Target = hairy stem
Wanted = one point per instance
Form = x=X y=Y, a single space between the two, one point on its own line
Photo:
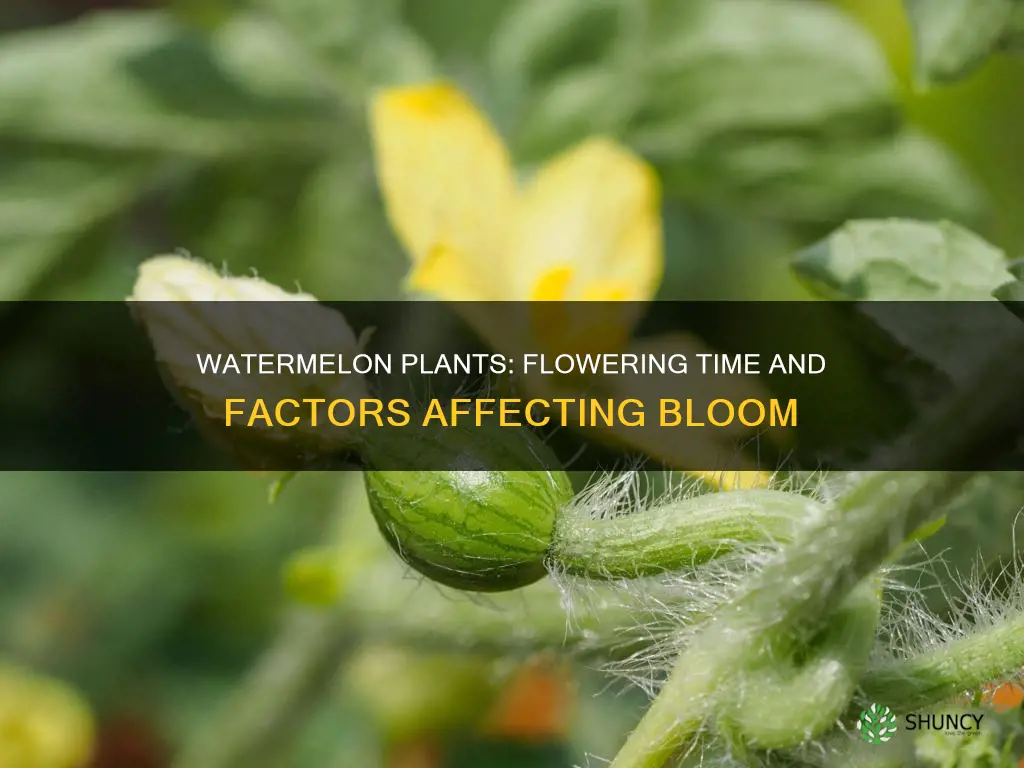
x=379 y=596
x=817 y=570
x=681 y=534
x=818 y=688
x=381 y=599
x=275 y=695
x=951 y=669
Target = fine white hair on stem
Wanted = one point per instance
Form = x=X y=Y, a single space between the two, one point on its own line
x=674 y=606
x=977 y=600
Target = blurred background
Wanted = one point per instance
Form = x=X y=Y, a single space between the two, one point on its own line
x=236 y=130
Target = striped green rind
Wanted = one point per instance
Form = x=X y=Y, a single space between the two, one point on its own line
x=484 y=524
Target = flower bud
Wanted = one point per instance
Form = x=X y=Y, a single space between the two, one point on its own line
x=192 y=314
x=487 y=521
x=314 y=577
x=43 y=724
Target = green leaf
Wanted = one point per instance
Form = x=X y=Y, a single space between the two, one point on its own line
x=798 y=180
x=48 y=203
x=692 y=83
x=334 y=27
x=204 y=15
x=539 y=39
x=1013 y=291
x=574 y=104
x=724 y=74
x=317 y=225
x=927 y=530
x=143 y=81
x=1013 y=39
x=454 y=28
x=780 y=109
x=242 y=213
x=885 y=263
x=908 y=175
x=954 y=37
x=899 y=260
x=359 y=45
x=346 y=246
x=559 y=74
x=921 y=534
x=277 y=487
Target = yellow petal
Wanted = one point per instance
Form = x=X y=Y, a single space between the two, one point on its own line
x=444 y=173
x=737 y=480
x=606 y=290
x=593 y=210
x=553 y=285
x=446 y=274
x=562 y=326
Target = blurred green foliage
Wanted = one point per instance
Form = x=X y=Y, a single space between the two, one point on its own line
x=239 y=135
x=236 y=131
x=955 y=38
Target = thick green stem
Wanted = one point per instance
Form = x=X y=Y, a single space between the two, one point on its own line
x=383 y=600
x=817 y=689
x=286 y=680
x=949 y=670
x=379 y=599
x=377 y=596
x=821 y=566
x=681 y=534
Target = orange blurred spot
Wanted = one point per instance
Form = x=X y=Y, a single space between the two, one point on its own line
x=536 y=705
x=1005 y=697
x=420 y=753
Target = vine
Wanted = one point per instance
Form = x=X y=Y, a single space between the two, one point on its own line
x=745 y=597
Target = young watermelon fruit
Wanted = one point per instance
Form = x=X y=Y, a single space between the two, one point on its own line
x=480 y=515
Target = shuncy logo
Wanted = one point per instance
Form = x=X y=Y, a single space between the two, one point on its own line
x=947 y=723
x=876 y=724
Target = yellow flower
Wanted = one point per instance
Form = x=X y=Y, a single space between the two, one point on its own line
x=737 y=480
x=585 y=227
x=43 y=723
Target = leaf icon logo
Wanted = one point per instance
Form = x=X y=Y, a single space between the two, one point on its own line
x=876 y=725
